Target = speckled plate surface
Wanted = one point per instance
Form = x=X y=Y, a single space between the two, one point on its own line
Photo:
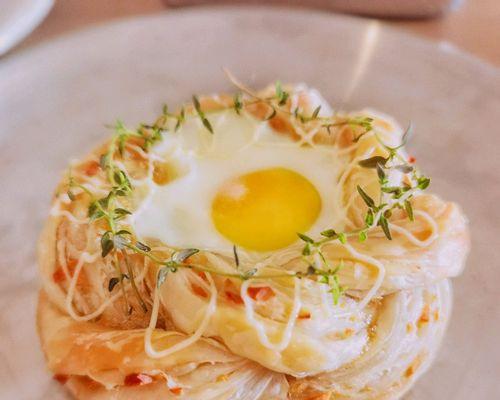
x=54 y=100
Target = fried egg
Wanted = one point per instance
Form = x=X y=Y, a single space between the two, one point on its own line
x=243 y=185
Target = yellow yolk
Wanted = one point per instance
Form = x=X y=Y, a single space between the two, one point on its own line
x=264 y=210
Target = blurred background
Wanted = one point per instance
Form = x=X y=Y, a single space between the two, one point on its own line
x=472 y=25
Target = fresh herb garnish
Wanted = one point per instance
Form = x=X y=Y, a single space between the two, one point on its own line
x=117 y=242
x=201 y=114
x=236 y=257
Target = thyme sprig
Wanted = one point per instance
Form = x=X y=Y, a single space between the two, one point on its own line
x=279 y=103
x=318 y=265
x=377 y=215
x=118 y=242
x=391 y=197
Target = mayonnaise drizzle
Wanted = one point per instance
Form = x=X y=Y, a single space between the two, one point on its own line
x=417 y=242
x=209 y=311
x=287 y=332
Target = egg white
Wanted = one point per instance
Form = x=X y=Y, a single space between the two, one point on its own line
x=179 y=213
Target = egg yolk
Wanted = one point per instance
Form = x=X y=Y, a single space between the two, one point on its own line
x=264 y=210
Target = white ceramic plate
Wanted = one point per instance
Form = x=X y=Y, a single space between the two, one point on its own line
x=56 y=98
x=18 y=18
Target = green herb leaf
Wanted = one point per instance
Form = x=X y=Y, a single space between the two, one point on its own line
x=112 y=283
x=409 y=210
x=143 y=247
x=236 y=257
x=310 y=270
x=162 y=276
x=201 y=114
x=423 y=182
x=390 y=189
x=103 y=161
x=306 y=251
x=124 y=185
x=382 y=222
x=330 y=278
x=305 y=238
x=120 y=213
x=405 y=169
x=316 y=112
x=71 y=195
x=248 y=274
x=407 y=135
x=172 y=265
x=362 y=236
x=107 y=243
x=381 y=174
x=357 y=138
x=181 y=117
x=372 y=162
x=238 y=103
x=120 y=242
x=278 y=89
x=342 y=238
x=271 y=116
x=367 y=199
x=336 y=290
x=181 y=256
x=329 y=233
x=369 y=217
x=95 y=212
x=121 y=144
x=364 y=122
x=281 y=95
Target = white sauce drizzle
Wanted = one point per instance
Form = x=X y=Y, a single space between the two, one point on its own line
x=380 y=276
x=209 y=311
x=56 y=211
x=261 y=333
x=417 y=242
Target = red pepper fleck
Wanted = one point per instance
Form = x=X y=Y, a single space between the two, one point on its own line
x=58 y=276
x=62 y=379
x=231 y=292
x=137 y=379
x=262 y=293
x=304 y=315
x=411 y=159
x=71 y=264
x=176 y=390
x=198 y=290
x=202 y=275
x=234 y=297
x=424 y=317
x=91 y=168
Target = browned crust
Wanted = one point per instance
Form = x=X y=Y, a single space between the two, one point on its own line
x=85 y=389
x=53 y=297
x=82 y=387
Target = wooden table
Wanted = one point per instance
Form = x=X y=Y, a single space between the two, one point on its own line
x=475 y=27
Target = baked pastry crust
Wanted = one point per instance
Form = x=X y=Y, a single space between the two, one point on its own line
x=413 y=304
